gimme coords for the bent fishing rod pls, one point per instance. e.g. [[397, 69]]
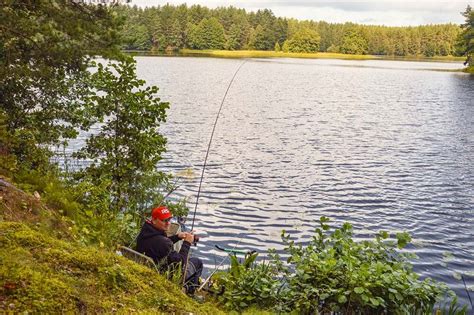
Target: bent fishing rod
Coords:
[[210, 141], [205, 159]]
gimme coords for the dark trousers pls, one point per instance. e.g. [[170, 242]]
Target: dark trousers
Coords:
[[193, 272]]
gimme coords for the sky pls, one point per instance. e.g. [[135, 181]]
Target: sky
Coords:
[[375, 12]]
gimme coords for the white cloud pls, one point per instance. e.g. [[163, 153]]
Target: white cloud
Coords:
[[379, 12]]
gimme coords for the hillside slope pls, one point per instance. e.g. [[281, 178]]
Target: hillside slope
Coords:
[[44, 270]]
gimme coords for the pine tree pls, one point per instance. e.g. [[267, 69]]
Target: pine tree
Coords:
[[466, 40], [208, 34], [277, 47]]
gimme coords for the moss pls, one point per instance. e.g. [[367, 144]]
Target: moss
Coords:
[[42, 274], [18, 206]]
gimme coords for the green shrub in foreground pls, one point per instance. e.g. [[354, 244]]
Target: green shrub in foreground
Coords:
[[334, 273], [247, 284]]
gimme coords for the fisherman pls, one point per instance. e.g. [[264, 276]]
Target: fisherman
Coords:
[[154, 243]]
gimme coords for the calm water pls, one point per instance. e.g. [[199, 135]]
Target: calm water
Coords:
[[384, 145]]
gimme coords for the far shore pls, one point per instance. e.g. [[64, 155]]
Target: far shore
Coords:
[[280, 54]]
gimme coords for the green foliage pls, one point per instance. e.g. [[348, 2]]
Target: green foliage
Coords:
[[258, 39], [333, 49], [335, 273], [95, 223], [247, 284], [465, 44], [136, 37], [54, 192], [177, 27], [127, 147], [48, 93], [277, 47], [44, 53], [304, 41], [354, 43], [234, 38], [208, 34], [8, 161]]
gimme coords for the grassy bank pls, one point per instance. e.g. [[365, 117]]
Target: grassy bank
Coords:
[[469, 70], [43, 269], [319, 55], [270, 54]]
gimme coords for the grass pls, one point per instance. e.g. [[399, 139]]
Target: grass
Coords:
[[319, 55], [469, 70], [271, 54]]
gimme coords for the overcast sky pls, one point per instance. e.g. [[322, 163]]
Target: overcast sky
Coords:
[[379, 12]]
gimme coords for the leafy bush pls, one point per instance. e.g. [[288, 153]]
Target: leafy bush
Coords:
[[335, 273], [248, 284]]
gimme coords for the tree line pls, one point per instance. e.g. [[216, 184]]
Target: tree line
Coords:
[[171, 27]]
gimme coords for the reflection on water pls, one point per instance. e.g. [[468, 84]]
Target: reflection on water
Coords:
[[382, 144]]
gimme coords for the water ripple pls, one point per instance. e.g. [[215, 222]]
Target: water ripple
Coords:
[[385, 145]]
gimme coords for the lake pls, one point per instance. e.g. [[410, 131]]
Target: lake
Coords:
[[384, 145]]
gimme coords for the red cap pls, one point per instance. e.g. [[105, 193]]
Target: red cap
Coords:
[[161, 213]]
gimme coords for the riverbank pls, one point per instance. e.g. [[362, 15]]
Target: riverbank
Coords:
[[469, 70], [280, 54], [45, 269]]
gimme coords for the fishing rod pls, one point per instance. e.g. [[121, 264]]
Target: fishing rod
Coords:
[[205, 159], [229, 251], [210, 141]]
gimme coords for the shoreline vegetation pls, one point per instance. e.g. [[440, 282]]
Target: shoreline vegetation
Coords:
[[237, 54], [52, 270], [45, 268], [230, 32]]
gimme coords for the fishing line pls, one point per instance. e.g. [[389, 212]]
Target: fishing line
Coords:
[[205, 160], [210, 141], [467, 291], [218, 266]]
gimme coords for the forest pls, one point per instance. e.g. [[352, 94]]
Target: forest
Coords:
[[169, 28]]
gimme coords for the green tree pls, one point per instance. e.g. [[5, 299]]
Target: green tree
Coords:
[[136, 37], [176, 39], [465, 44], [127, 147], [354, 43], [277, 47], [234, 38], [261, 30], [45, 50], [285, 48], [304, 41], [208, 34], [265, 35], [257, 39]]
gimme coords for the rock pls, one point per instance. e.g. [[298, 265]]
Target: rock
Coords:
[[37, 195]]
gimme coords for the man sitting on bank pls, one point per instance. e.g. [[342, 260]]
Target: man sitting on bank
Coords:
[[153, 242]]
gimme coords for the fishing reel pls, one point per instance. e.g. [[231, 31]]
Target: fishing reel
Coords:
[[197, 236]]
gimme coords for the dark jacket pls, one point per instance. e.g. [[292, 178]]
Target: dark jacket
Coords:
[[155, 244]]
